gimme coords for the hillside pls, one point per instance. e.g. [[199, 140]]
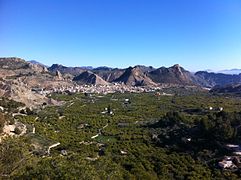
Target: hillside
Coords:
[[108, 74], [135, 76], [19, 77], [66, 70], [172, 75], [88, 77], [213, 79], [16, 66], [234, 89]]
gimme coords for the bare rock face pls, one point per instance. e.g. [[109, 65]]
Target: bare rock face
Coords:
[[135, 77], [37, 68], [172, 75], [58, 75], [108, 74], [88, 77], [16, 67], [45, 69], [18, 78], [13, 63], [74, 71], [178, 69], [20, 92], [12, 66]]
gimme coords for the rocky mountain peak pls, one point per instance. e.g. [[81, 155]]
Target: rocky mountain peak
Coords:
[[135, 76], [88, 77], [177, 68], [57, 66], [173, 75]]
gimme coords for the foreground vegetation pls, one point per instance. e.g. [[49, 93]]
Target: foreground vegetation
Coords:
[[126, 136]]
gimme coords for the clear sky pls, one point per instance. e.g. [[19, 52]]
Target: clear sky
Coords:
[[197, 34]]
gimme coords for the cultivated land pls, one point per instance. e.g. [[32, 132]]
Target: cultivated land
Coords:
[[181, 133], [103, 123]]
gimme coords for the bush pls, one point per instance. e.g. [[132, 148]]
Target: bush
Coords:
[[17, 130], [11, 121], [2, 122]]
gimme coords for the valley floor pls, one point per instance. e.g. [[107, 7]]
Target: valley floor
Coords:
[[126, 136]]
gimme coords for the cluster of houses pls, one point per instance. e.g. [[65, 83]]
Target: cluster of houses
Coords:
[[231, 162], [99, 89], [210, 108], [107, 111]]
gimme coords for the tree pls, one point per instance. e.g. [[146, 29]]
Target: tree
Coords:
[[218, 126]]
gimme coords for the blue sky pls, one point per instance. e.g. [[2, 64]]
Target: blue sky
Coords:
[[198, 34]]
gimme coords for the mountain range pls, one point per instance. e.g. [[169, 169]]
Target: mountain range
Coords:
[[147, 76], [225, 71], [230, 71], [35, 74], [227, 89], [18, 78]]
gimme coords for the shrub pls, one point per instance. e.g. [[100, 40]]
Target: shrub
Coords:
[[2, 122], [17, 130]]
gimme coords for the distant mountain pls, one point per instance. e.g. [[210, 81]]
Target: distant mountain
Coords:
[[66, 70], [37, 63], [209, 70], [145, 69], [142, 75], [87, 67], [103, 68], [173, 75], [227, 89], [231, 71], [226, 71], [145, 76], [88, 77], [213, 79], [135, 76], [109, 74], [69, 70]]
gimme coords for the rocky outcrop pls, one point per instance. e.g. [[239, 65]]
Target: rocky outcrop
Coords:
[[58, 75], [20, 92], [18, 78]]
